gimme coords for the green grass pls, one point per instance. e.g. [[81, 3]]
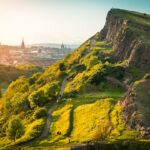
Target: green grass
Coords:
[[137, 22]]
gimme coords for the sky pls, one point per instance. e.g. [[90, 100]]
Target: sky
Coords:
[[57, 21]]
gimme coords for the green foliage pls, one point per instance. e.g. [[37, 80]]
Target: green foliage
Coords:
[[51, 90], [79, 67], [90, 60], [33, 79], [62, 67], [15, 129], [40, 113], [71, 94], [37, 98], [32, 130], [147, 76], [116, 71], [19, 102]]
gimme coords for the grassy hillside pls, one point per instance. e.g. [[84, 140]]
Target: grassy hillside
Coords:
[[88, 109], [11, 73]]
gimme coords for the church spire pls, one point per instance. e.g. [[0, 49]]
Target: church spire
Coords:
[[23, 44]]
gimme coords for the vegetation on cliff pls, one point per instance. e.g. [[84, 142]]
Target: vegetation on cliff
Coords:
[[89, 108]]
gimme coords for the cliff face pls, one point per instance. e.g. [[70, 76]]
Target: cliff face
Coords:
[[135, 107], [128, 37]]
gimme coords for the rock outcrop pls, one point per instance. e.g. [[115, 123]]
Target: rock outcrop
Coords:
[[129, 33], [135, 107]]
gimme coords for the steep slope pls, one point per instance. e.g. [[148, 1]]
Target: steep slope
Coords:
[[95, 75], [135, 106], [129, 33]]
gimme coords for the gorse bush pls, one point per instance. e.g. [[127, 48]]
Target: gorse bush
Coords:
[[15, 129], [37, 99], [33, 79], [62, 67], [114, 70], [79, 67], [40, 113]]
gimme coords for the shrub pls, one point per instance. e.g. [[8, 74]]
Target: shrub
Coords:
[[33, 79], [115, 71], [147, 76], [51, 90], [62, 67], [97, 78], [40, 113], [37, 98], [15, 129], [80, 67]]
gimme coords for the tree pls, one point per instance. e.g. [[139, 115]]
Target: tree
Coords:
[[37, 98], [40, 113], [15, 129], [62, 67]]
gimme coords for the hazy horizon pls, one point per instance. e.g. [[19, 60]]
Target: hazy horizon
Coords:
[[49, 21]]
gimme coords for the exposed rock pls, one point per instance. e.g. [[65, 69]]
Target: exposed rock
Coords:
[[135, 107], [127, 44]]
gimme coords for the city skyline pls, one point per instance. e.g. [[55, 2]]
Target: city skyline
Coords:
[[48, 21]]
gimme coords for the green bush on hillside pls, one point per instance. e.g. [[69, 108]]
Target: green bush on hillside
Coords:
[[79, 67], [147, 76], [19, 102], [98, 77], [33, 79], [40, 113], [51, 90], [62, 67], [15, 129], [37, 98], [115, 71]]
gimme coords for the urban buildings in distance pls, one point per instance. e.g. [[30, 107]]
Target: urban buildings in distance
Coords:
[[38, 55]]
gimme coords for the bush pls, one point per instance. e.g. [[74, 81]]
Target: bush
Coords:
[[40, 113], [71, 94], [147, 76], [15, 129], [115, 71], [62, 67], [51, 90], [33, 79], [98, 77], [80, 67], [37, 98]]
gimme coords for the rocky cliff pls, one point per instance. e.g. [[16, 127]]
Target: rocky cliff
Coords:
[[135, 106], [129, 33]]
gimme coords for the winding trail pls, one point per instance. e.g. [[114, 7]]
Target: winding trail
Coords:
[[48, 120], [50, 111]]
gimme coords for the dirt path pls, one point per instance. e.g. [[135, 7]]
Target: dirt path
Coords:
[[48, 122], [62, 87], [51, 109]]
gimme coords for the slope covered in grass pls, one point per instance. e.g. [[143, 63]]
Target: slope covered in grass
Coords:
[[88, 109]]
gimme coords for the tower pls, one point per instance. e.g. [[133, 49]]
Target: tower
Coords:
[[22, 44], [62, 46]]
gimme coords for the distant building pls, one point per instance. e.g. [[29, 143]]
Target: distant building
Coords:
[[62, 46], [22, 44]]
